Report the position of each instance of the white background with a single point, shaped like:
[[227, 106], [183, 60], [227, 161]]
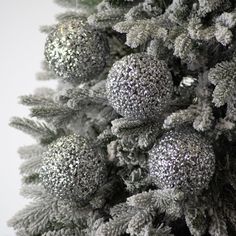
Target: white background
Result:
[[21, 50]]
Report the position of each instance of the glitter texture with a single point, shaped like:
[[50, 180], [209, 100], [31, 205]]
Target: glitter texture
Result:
[[139, 86], [75, 51], [72, 169], [183, 159]]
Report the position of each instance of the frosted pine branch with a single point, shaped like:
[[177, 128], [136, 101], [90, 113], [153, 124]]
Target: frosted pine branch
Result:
[[38, 130], [27, 152], [159, 200], [107, 16], [223, 77], [218, 225], [140, 31]]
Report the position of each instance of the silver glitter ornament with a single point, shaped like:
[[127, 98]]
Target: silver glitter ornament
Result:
[[75, 51], [72, 169], [182, 159], [139, 86]]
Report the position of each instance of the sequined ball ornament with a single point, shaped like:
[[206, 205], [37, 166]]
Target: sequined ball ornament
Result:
[[72, 169], [75, 51], [182, 159], [139, 86]]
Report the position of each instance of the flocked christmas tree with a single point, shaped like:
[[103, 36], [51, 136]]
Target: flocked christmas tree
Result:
[[139, 137]]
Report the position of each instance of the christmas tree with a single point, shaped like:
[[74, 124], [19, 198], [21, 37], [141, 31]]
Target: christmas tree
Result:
[[139, 136]]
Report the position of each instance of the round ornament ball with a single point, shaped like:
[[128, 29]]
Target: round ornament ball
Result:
[[182, 159], [72, 169], [139, 86], [75, 51]]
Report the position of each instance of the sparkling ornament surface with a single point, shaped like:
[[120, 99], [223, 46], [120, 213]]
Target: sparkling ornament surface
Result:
[[75, 51], [182, 159], [72, 169], [139, 86]]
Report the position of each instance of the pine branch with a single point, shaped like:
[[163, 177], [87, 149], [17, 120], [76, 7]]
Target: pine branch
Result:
[[156, 49], [223, 77], [197, 31], [132, 217], [122, 208], [168, 201], [206, 6], [204, 119], [38, 130], [33, 191], [119, 2], [31, 166], [183, 46], [127, 222], [140, 31], [123, 126], [218, 225], [55, 114], [47, 214], [28, 152], [33, 100], [230, 213], [31, 179], [83, 96], [180, 117], [73, 4], [196, 219], [22, 232], [160, 231], [105, 137], [114, 227], [227, 19], [34, 218], [145, 133], [63, 232], [143, 10], [137, 180], [177, 11], [139, 220], [107, 16], [126, 153], [223, 35]]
